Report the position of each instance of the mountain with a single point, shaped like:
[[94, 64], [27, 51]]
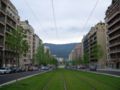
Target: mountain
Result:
[[61, 50]]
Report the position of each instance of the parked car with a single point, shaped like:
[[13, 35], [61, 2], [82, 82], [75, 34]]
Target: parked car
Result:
[[44, 68], [8, 70], [18, 69], [13, 69], [93, 68], [5, 70], [2, 70], [82, 67]]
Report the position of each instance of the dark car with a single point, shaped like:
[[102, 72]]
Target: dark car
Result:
[[13, 69]]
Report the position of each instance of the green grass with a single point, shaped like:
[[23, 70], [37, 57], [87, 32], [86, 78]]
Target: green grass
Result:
[[61, 79]]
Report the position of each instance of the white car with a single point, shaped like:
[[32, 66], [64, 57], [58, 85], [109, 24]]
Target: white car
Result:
[[44, 68], [5, 70], [2, 70]]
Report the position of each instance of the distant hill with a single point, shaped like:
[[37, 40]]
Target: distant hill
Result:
[[61, 50]]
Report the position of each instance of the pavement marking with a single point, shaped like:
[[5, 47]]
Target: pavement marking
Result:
[[13, 81]]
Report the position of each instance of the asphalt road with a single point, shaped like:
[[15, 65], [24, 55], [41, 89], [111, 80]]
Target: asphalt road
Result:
[[9, 77]]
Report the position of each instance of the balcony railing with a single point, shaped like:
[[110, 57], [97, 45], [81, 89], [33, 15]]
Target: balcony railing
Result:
[[11, 17], [3, 10], [118, 20], [112, 10], [115, 59], [1, 31], [4, 1], [114, 51], [1, 43], [11, 25], [2, 19], [114, 37], [113, 30], [114, 44]]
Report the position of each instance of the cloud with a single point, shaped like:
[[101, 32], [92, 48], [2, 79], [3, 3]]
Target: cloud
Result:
[[71, 16]]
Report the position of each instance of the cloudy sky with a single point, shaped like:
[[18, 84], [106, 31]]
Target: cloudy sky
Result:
[[71, 17]]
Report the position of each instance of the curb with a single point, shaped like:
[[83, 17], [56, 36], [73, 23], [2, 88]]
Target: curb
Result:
[[22, 78]]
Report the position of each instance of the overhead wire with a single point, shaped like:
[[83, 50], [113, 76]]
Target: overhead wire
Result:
[[35, 16], [54, 18], [90, 15]]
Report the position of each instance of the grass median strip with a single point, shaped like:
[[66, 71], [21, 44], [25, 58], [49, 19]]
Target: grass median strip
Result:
[[104, 81], [33, 83], [62, 79], [56, 83]]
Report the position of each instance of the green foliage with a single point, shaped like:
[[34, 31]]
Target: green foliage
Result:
[[97, 52], [85, 58], [44, 58], [15, 41], [76, 61]]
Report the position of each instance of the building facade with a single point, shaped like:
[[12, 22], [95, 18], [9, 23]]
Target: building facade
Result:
[[9, 20], [27, 59], [113, 26], [76, 53], [95, 37]]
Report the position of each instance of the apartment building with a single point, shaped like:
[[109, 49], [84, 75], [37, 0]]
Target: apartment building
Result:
[[47, 50], [9, 19], [76, 53], [36, 43], [96, 36], [71, 55], [113, 32], [27, 59]]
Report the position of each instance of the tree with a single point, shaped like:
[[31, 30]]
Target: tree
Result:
[[97, 52], [85, 58], [44, 58], [40, 54], [16, 42]]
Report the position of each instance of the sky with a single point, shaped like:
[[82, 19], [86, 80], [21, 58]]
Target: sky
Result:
[[71, 18]]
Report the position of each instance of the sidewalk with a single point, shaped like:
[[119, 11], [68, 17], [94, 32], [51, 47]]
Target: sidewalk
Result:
[[115, 70]]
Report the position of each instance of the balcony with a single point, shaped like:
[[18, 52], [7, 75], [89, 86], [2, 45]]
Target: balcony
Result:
[[114, 37], [112, 10], [8, 31], [3, 6], [9, 16], [4, 1], [2, 20], [115, 59], [116, 21], [1, 30], [3, 10], [113, 30], [114, 44], [1, 43], [114, 51], [10, 24]]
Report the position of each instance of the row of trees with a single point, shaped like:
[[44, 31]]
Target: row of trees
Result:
[[97, 52], [16, 42], [44, 58]]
